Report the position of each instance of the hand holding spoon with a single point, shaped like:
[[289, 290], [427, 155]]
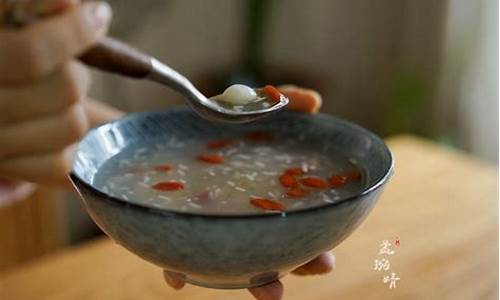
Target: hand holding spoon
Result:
[[117, 57]]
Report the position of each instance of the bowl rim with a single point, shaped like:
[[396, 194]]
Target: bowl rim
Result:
[[388, 172]]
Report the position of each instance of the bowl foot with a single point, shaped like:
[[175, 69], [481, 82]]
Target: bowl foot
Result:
[[257, 280]]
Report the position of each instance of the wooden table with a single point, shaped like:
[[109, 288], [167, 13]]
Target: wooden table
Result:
[[441, 204], [37, 220]]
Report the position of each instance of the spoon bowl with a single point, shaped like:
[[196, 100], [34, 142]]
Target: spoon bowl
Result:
[[207, 108]]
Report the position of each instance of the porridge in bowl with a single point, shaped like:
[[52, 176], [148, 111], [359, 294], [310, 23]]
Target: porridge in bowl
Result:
[[252, 173]]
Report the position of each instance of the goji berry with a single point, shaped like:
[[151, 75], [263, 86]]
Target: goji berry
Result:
[[168, 186], [314, 182], [211, 158], [288, 180], [267, 204]]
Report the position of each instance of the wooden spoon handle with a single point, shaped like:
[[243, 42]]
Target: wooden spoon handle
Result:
[[117, 57]]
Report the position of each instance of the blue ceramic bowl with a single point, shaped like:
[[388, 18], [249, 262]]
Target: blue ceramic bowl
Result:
[[229, 251]]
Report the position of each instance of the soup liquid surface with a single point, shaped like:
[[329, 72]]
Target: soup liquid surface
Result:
[[254, 173]]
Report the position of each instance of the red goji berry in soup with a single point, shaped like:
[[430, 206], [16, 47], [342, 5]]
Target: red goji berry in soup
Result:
[[163, 168], [267, 204], [211, 158], [288, 180], [219, 144], [314, 182], [168, 186], [337, 181]]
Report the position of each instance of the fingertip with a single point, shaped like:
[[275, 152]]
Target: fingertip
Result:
[[271, 291], [99, 13], [317, 102], [304, 100], [312, 101], [322, 264], [327, 262], [173, 281]]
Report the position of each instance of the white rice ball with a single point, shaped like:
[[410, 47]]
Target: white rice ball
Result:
[[238, 94]]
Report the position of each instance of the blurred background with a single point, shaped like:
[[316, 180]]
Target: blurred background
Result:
[[394, 66]]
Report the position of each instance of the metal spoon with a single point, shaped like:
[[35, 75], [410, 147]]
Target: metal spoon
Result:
[[117, 57]]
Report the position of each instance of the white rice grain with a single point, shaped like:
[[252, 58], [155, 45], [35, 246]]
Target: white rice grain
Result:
[[238, 188], [164, 198], [271, 194], [260, 164], [267, 173], [194, 205], [243, 156]]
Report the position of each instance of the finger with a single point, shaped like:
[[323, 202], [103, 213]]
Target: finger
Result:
[[37, 50], [322, 264], [98, 113], [271, 291], [304, 100], [36, 8], [48, 7], [43, 135], [50, 169], [173, 280], [53, 94]]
